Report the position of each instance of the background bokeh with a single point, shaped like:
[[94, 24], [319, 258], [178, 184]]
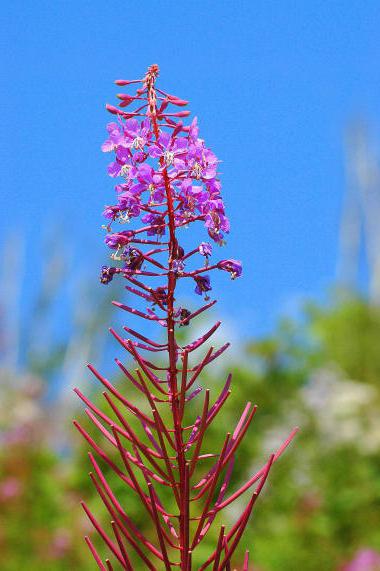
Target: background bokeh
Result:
[[287, 95]]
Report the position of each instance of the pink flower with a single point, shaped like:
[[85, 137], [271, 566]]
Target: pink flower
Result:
[[364, 560], [115, 138], [10, 488], [61, 543]]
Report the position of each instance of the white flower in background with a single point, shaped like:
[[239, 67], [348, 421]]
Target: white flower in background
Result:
[[346, 411]]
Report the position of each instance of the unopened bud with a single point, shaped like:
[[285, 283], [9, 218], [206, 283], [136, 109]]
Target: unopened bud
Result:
[[176, 101], [123, 82]]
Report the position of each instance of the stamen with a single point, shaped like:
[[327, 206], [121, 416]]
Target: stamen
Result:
[[125, 171], [124, 217], [138, 143], [169, 158], [197, 171]]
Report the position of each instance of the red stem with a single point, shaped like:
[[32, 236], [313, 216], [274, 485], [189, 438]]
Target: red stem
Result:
[[172, 352]]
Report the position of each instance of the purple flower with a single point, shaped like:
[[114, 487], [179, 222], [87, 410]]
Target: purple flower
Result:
[[118, 239], [115, 138], [137, 134], [214, 186], [106, 274], [233, 266], [194, 130], [202, 163], [192, 199], [135, 137], [172, 150], [114, 169], [111, 212], [215, 220], [213, 204], [178, 266], [217, 223], [156, 222], [203, 284], [205, 249], [130, 204], [149, 180], [123, 166]]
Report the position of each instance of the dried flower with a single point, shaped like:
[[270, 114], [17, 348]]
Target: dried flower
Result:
[[203, 284], [106, 274]]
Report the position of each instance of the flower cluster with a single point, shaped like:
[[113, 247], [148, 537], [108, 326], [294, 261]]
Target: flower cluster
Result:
[[151, 160], [190, 166]]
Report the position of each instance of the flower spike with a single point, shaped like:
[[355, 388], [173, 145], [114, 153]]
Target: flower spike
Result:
[[167, 179]]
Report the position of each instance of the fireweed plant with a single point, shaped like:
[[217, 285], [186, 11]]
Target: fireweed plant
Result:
[[169, 178]]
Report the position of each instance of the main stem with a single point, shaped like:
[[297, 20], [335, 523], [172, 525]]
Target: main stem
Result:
[[182, 465]]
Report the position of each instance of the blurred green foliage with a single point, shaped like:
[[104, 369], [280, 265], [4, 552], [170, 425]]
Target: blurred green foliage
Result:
[[321, 372]]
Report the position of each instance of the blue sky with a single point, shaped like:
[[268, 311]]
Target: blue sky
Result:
[[273, 83]]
